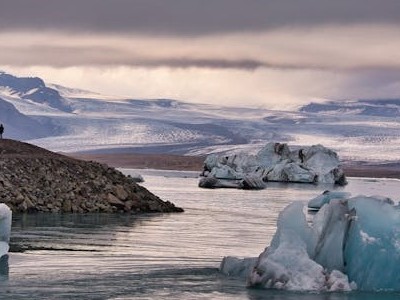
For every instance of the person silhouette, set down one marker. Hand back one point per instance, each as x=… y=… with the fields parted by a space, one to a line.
x=1 y=131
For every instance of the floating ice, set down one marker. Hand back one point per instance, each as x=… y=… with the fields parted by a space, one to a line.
x=238 y=267
x=351 y=243
x=248 y=182
x=275 y=162
x=5 y=228
x=136 y=177
x=326 y=197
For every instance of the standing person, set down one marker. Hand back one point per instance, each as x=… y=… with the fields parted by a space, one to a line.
x=301 y=155
x=1 y=131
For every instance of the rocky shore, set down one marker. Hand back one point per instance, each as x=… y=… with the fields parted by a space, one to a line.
x=33 y=179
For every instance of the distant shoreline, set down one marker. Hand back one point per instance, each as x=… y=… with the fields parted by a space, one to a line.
x=195 y=163
x=145 y=161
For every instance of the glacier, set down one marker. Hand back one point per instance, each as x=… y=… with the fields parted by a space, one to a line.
x=274 y=162
x=350 y=243
x=71 y=120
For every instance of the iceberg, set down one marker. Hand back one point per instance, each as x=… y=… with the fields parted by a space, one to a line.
x=350 y=243
x=274 y=162
x=5 y=228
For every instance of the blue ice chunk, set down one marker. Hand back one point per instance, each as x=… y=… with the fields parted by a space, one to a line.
x=372 y=252
x=296 y=258
x=326 y=197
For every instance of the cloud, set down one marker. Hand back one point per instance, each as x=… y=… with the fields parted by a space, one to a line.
x=264 y=53
x=190 y=17
x=325 y=47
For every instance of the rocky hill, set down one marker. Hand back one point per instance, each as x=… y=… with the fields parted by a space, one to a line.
x=33 y=179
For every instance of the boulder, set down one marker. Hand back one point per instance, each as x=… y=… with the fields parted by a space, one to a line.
x=120 y=192
x=114 y=201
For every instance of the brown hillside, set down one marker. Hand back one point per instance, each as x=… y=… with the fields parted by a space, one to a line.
x=33 y=179
x=12 y=148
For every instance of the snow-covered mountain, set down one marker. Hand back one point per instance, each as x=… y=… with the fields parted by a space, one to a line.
x=70 y=120
x=380 y=108
x=33 y=89
x=22 y=126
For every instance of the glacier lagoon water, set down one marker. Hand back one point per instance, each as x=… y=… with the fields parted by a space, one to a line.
x=162 y=256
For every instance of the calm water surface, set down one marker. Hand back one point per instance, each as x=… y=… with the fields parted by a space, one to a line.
x=161 y=256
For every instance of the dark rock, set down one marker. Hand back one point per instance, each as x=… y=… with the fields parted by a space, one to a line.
x=120 y=192
x=114 y=201
x=67 y=206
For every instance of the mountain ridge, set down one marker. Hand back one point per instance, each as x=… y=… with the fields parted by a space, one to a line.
x=366 y=107
x=34 y=89
x=93 y=123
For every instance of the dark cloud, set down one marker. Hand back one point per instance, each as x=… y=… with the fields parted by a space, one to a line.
x=189 y=17
x=68 y=52
x=67 y=56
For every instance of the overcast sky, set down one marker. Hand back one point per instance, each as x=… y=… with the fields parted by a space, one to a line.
x=263 y=53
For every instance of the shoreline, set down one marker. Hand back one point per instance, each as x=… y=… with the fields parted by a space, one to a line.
x=195 y=163
x=145 y=161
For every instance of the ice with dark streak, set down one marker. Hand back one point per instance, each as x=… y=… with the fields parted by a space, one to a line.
x=274 y=162
x=350 y=243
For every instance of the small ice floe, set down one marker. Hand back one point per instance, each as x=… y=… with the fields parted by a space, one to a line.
x=5 y=228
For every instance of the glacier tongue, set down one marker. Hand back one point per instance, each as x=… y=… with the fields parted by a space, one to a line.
x=351 y=243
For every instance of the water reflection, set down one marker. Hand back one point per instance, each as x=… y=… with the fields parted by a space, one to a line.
x=94 y=221
x=72 y=232
x=4 y=269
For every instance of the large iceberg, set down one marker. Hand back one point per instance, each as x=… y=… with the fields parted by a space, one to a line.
x=274 y=162
x=350 y=243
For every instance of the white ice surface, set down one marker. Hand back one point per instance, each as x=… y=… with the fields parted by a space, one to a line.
x=5 y=228
x=103 y=122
